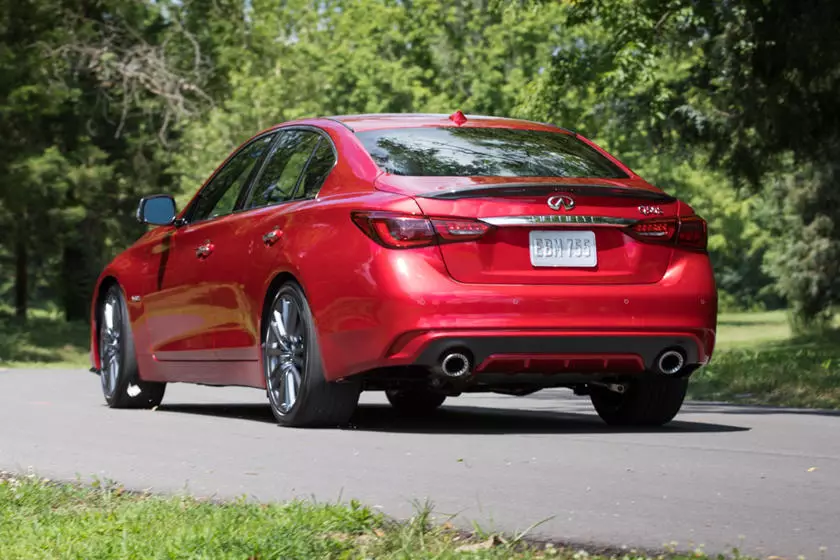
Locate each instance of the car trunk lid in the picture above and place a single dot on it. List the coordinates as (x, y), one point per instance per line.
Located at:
(557, 231)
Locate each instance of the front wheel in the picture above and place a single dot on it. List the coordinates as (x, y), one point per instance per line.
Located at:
(653, 401)
(299, 394)
(118, 372)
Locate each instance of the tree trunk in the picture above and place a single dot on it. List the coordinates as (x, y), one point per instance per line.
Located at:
(21, 277)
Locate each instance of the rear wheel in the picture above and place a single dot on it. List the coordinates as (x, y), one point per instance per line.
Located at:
(415, 401)
(294, 373)
(651, 401)
(118, 372)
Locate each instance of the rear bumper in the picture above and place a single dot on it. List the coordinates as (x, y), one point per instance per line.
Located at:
(413, 312)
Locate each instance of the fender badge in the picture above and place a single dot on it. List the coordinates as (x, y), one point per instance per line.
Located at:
(651, 210)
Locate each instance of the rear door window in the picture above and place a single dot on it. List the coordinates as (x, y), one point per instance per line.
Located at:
(322, 162)
(282, 173)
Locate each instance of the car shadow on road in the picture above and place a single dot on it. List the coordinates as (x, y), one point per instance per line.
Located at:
(456, 419)
(459, 420)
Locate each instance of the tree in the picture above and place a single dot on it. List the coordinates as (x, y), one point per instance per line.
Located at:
(91, 99)
(753, 83)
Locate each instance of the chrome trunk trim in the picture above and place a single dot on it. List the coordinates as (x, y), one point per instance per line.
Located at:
(558, 219)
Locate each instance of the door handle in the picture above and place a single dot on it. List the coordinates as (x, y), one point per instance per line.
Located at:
(272, 237)
(203, 251)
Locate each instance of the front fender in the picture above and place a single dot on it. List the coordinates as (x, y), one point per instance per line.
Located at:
(128, 271)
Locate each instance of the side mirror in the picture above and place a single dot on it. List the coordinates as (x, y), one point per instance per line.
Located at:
(157, 210)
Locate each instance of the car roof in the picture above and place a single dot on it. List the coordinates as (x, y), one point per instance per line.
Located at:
(361, 123)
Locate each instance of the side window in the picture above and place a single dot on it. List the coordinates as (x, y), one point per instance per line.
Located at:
(219, 197)
(316, 172)
(283, 169)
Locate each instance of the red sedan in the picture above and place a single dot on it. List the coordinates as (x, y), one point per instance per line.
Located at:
(421, 255)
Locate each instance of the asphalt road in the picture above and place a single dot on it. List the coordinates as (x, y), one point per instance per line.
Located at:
(764, 480)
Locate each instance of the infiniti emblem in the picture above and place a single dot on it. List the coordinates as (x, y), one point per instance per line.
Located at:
(561, 201)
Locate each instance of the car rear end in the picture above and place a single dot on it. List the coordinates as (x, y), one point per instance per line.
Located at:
(553, 264)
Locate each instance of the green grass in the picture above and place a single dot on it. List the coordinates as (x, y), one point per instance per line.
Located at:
(759, 361)
(44, 340)
(750, 330)
(39, 519)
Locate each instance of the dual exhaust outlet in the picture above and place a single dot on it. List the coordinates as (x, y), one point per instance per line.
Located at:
(457, 365)
(670, 362)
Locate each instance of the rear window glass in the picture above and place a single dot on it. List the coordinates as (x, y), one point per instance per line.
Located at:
(489, 152)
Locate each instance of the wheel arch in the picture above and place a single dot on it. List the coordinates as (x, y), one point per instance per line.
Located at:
(279, 279)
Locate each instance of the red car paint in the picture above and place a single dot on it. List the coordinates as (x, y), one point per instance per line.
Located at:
(198, 319)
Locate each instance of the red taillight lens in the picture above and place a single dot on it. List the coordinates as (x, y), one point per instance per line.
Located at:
(459, 230)
(400, 231)
(693, 233)
(658, 230)
(686, 232)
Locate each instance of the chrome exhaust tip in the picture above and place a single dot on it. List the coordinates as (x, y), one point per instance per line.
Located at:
(455, 365)
(670, 362)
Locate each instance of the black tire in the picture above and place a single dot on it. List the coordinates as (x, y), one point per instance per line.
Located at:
(317, 402)
(653, 401)
(416, 401)
(121, 383)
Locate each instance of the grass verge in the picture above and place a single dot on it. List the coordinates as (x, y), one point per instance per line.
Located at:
(39, 519)
(45, 339)
(758, 361)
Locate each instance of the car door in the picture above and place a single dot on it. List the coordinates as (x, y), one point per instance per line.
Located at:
(284, 181)
(197, 259)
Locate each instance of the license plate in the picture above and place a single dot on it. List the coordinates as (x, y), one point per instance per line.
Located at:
(563, 248)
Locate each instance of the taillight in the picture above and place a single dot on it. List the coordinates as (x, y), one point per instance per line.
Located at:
(686, 232)
(693, 233)
(459, 230)
(659, 230)
(401, 231)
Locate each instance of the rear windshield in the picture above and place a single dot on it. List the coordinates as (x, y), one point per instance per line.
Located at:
(488, 152)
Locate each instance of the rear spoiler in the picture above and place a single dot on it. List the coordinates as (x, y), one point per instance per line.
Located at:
(537, 189)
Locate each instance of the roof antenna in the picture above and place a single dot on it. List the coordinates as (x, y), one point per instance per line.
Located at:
(458, 118)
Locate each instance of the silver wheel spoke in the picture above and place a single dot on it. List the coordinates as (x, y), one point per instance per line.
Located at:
(113, 371)
(279, 329)
(286, 311)
(290, 388)
(278, 326)
(109, 353)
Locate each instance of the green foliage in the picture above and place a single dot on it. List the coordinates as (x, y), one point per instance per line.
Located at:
(732, 106)
(369, 56)
(753, 86)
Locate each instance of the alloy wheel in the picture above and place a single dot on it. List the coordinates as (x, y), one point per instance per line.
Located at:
(284, 354)
(110, 344)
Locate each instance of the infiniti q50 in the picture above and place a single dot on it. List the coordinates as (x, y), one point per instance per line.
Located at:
(425, 256)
